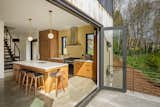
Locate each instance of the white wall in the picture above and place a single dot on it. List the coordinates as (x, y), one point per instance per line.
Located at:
(36, 49)
(24, 45)
(1, 49)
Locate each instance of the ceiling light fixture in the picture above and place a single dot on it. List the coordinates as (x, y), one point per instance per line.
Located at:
(30, 38)
(50, 34)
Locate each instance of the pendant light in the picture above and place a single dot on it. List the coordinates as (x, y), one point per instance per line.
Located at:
(50, 34)
(30, 38)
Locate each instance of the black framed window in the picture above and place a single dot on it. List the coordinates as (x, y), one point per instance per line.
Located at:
(90, 44)
(64, 39)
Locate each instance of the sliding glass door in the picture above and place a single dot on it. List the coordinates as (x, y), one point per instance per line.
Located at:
(113, 71)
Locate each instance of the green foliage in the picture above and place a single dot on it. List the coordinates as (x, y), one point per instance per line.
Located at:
(148, 64)
(153, 61)
(136, 61)
(157, 27)
(117, 46)
(141, 10)
(117, 18)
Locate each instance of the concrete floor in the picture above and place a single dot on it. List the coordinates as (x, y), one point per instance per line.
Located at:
(114, 79)
(117, 99)
(12, 96)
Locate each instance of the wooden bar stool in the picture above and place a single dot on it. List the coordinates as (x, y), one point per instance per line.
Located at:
(36, 80)
(59, 80)
(21, 77)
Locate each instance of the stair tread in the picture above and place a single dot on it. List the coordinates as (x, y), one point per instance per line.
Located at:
(9, 55)
(8, 66)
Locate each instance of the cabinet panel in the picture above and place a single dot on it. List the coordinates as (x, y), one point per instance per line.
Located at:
(84, 69)
(48, 48)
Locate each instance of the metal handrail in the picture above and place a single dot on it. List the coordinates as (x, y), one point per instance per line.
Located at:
(10, 42)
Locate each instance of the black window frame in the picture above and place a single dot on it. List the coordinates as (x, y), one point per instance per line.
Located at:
(87, 43)
(62, 44)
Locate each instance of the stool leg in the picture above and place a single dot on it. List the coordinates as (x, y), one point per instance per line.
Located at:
(35, 85)
(42, 82)
(62, 84)
(30, 87)
(39, 81)
(27, 85)
(56, 86)
(17, 75)
(19, 79)
(24, 77)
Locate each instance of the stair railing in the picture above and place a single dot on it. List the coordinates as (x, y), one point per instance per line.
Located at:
(9, 38)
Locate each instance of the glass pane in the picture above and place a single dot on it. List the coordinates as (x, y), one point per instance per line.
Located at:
(90, 44)
(113, 72)
(63, 45)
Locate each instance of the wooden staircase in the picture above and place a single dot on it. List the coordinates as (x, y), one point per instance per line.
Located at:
(10, 50)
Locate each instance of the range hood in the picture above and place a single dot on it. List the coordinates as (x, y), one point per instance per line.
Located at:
(74, 49)
(74, 37)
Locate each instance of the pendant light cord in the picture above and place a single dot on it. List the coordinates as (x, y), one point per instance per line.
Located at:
(30, 21)
(50, 20)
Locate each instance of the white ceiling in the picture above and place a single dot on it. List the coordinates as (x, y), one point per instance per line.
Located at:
(15, 13)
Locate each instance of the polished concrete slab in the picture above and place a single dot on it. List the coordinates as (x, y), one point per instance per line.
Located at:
(13, 96)
(78, 89)
(117, 99)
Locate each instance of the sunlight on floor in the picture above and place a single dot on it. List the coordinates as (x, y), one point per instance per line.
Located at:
(78, 88)
(118, 99)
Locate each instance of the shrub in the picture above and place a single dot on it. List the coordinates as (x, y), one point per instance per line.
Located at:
(153, 61)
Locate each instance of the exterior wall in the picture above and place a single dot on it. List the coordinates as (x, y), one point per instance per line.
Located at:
(94, 9)
(82, 31)
(1, 49)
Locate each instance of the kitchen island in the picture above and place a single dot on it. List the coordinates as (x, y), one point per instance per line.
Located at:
(44, 67)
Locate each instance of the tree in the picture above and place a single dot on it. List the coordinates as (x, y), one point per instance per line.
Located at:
(138, 17)
(117, 18)
(156, 28)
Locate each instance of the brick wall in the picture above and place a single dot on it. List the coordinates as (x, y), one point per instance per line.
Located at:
(136, 81)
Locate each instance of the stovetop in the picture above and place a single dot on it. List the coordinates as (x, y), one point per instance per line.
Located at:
(70, 60)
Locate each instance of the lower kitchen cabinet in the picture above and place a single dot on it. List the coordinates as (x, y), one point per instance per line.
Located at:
(84, 69)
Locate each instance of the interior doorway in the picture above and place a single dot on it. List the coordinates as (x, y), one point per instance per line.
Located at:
(34, 48)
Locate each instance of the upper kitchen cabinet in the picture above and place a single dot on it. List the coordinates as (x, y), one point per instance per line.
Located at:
(48, 48)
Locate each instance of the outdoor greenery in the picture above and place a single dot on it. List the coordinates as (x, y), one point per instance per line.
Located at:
(90, 44)
(142, 17)
(117, 17)
(148, 64)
